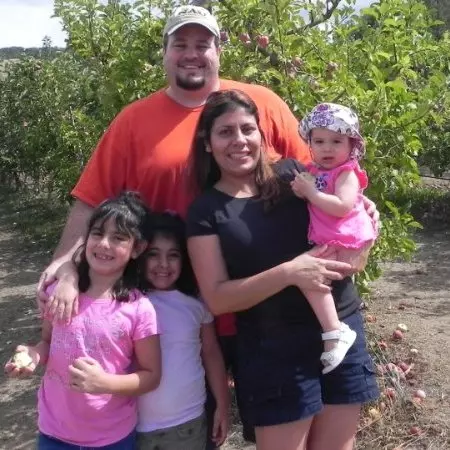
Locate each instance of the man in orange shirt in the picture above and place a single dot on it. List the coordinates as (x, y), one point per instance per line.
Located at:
(146, 147)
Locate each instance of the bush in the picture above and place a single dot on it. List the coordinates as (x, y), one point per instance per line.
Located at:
(384, 62)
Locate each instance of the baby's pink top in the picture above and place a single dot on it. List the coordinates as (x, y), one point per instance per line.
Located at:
(105, 330)
(351, 231)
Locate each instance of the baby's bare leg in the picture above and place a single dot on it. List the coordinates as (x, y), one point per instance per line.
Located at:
(357, 258)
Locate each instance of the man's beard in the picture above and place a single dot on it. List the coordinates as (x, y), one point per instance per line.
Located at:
(190, 84)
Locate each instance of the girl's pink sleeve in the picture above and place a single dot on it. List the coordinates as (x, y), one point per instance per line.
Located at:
(146, 320)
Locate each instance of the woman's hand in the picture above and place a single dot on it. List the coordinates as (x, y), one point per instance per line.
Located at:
(311, 271)
(372, 211)
(62, 304)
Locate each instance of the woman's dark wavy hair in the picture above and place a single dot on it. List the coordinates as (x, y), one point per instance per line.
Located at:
(203, 170)
(131, 216)
(171, 226)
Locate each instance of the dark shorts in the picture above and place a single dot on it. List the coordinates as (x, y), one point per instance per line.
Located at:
(49, 443)
(281, 379)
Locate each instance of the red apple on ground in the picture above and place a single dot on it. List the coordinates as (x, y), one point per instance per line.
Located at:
(415, 431)
(390, 393)
(420, 393)
(397, 335)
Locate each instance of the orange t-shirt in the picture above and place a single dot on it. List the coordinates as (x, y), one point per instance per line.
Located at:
(146, 147)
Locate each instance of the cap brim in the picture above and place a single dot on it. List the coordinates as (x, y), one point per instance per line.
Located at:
(200, 22)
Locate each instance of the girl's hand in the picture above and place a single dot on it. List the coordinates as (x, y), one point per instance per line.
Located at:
(87, 375)
(220, 426)
(304, 185)
(62, 304)
(312, 272)
(23, 363)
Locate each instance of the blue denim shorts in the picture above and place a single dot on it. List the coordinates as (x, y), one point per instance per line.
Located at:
(49, 443)
(281, 374)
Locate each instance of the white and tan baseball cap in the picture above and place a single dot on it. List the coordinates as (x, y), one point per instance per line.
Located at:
(187, 14)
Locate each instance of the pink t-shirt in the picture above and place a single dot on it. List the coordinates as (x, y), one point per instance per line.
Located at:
(352, 231)
(105, 330)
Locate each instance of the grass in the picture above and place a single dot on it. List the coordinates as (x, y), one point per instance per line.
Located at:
(387, 424)
(39, 218)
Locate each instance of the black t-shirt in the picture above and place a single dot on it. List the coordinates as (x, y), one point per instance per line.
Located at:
(253, 240)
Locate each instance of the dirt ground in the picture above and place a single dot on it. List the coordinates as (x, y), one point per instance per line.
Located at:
(423, 285)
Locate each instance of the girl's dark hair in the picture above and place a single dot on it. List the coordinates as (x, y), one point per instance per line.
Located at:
(171, 226)
(131, 216)
(204, 171)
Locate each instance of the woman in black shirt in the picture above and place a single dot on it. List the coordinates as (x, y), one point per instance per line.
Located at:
(247, 237)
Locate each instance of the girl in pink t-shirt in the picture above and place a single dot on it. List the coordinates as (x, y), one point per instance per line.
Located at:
(88, 393)
(333, 186)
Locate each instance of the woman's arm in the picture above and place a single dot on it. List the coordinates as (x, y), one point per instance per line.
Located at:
(338, 204)
(307, 271)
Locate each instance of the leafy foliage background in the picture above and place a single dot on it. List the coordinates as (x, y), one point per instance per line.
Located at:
(390, 62)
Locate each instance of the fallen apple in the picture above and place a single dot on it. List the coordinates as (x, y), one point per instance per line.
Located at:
(370, 318)
(374, 413)
(390, 393)
(420, 394)
(397, 335)
(404, 366)
(382, 345)
(415, 431)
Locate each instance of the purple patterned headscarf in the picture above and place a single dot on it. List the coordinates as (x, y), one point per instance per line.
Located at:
(337, 118)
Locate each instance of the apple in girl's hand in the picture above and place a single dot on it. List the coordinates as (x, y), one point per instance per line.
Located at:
(21, 359)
